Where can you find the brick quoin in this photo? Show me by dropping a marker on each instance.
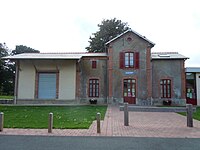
(148, 70)
(110, 71)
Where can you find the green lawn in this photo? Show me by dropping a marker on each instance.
(6, 97)
(196, 115)
(65, 117)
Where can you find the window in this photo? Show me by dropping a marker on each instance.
(94, 64)
(190, 86)
(129, 60)
(93, 88)
(165, 88)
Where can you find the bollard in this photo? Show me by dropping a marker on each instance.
(126, 117)
(50, 125)
(189, 115)
(1, 121)
(98, 122)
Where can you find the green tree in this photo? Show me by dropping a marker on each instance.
(108, 29)
(7, 68)
(6, 72)
(23, 49)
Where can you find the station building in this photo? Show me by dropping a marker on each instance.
(128, 71)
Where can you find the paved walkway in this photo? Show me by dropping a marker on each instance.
(141, 124)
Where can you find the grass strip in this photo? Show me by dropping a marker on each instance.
(65, 117)
(196, 115)
(5, 97)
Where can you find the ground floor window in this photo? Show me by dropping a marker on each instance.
(165, 88)
(94, 88)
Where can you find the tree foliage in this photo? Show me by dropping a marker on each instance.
(7, 68)
(6, 72)
(23, 49)
(108, 29)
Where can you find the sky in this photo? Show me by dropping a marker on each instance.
(65, 26)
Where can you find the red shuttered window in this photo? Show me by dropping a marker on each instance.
(137, 63)
(94, 64)
(129, 60)
(121, 60)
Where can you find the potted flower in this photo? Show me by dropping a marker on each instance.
(167, 102)
(93, 101)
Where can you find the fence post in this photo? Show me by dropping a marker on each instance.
(126, 117)
(50, 123)
(189, 115)
(1, 121)
(98, 122)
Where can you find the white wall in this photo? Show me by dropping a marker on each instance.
(67, 77)
(26, 82)
(198, 88)
(67, 80)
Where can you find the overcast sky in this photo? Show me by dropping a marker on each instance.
(65, 26)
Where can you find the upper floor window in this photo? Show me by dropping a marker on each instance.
(129, 60)
(94, 64)
(165, 88)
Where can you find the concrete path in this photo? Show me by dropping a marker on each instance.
(141, 124)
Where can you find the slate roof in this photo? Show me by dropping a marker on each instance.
(167, 55)
(130, 30)
(54, 55)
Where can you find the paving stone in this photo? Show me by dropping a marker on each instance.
(141, 124)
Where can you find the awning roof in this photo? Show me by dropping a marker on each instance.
(53, 56)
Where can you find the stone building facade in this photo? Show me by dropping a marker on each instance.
(126, 72)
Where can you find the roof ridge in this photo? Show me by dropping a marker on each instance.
(63, 53)
(70, 53)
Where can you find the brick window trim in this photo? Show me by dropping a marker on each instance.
(93, 96)
(168, 95)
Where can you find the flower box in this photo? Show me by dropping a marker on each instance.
(167, 102)
(93, 101)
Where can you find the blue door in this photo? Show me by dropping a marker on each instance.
(47, 86)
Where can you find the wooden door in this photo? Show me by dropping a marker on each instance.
(129, 91)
